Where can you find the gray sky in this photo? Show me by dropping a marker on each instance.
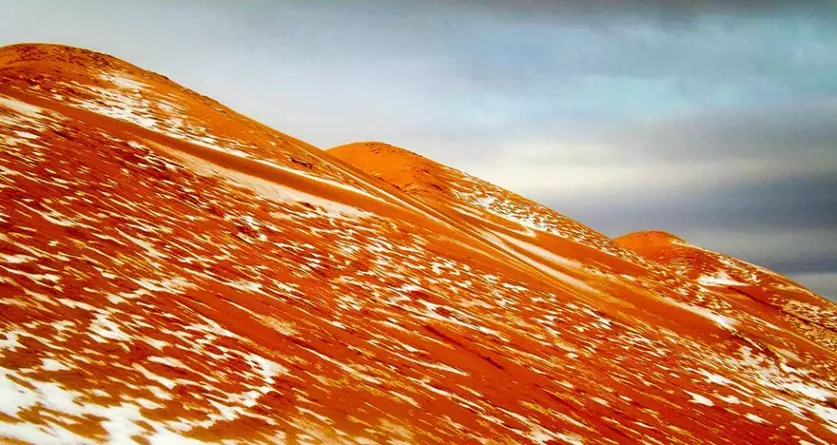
(715, 120)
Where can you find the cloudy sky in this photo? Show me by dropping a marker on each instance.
(716, 121)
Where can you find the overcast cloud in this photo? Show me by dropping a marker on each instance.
(715, 120)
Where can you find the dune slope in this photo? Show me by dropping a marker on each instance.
(174, 272)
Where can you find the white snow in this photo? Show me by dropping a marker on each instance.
(808, 390)
(122, 422)
(265, 188)
(102, 326)
(720, 320)
(699, 399)
(121, 107)
(20, 107)
(171, 285)
(732, 400)
(49, 364)
(549, 270)
(755, 418)
(16, 259)
(168, 383)
(122, 81)
(166, 437)
(10, 342)
(168, 361)
(721, 278)
(14, 397)
(715, 378)
(541, 252)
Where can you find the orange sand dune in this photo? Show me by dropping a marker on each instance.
(174, 272)
(763, 290)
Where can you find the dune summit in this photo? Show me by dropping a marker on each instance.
(174, 272)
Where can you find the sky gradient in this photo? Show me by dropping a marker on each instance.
(715, 120)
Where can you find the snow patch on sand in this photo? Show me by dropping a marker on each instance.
(20, 107)
(699, 399)
(123, 82)
(721, 278)
(720, 320)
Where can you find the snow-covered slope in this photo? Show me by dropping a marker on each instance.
(173, 272)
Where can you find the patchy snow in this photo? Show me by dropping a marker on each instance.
(167, 437)
(11, 341)
(721, 278)
(541, 252)
(732, 400)
(755, 418)
(186, 357)
(267, 189)
(172, 285)
(699, 399)
(122, 81)
(715, 378)
(13, 396)
(49, 364)
(809, 391)
(104, 327)
(721, 320)
(20, 107)
(122, 107)
(168, 361)
(495, 239)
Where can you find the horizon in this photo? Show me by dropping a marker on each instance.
(715, 123)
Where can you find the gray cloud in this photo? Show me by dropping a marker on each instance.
(799, 204)
(604, 12)
(808, 127)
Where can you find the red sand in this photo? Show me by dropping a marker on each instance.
(171, 269)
